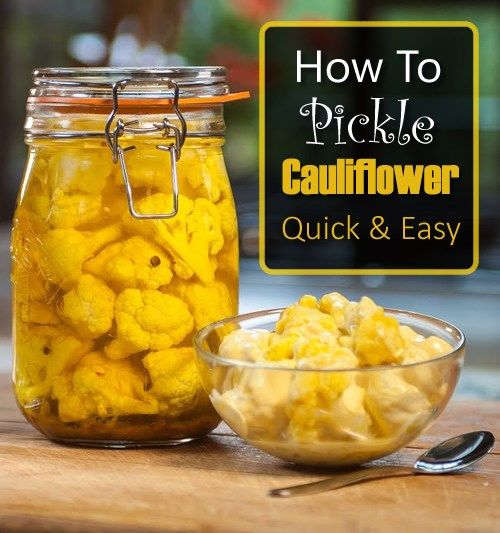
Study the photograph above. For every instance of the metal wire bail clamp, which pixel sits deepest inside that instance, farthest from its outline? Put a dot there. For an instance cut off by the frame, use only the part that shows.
(174, 148)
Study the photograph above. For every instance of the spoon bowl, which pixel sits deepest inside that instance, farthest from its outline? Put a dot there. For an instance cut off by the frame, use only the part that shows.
(456, 453)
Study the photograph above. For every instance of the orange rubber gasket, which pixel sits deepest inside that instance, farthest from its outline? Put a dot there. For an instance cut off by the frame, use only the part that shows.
(140, 102)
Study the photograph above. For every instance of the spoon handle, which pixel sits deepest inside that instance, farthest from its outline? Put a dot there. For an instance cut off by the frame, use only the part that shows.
(341, 480)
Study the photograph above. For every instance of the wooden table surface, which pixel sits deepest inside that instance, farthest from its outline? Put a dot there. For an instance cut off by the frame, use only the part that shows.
(219, 484)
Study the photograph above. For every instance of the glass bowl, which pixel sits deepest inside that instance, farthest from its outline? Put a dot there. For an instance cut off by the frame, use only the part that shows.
(328, 417)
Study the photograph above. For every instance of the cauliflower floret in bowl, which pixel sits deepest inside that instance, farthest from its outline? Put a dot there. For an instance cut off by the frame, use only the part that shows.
(330, 382)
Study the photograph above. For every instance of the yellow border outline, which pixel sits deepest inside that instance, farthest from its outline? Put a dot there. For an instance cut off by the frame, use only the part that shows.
(475, 149)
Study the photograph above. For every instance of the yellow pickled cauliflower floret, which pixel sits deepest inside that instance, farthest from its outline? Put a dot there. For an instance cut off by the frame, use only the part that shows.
(229, 223)
(60, 351)
(281, 347)
(33, 349)
(148, 320)
(204, 227)
(134, 263)
(308, 301)
(63, 251)
(104, 388)
(79, 170)
(318, 354)
(193, 237)
(355, 312)
(429, 379)
(377, 340)
(228, 262)
(71, 210)
(334, 304)
(200, 172)
(348, 415)
(305, 421)
(148, 167)
(335, 412)
(254, 402)
(66, 351)
(175, 379)
(434, 346)
(60, 209)
(317, 351)
(323, 344)
(207, 303)
(346, 341)
(312, 395)
(40, 169)
(395, 404)
(89, 307)
(37, 199)
(204, 173)
(305, 319)
(245, 345)
(410, 335)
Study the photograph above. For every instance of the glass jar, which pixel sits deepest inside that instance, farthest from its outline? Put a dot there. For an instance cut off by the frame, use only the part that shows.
(124, 243)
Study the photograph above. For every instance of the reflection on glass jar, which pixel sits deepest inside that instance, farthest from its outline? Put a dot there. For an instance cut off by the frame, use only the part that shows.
(106, 298)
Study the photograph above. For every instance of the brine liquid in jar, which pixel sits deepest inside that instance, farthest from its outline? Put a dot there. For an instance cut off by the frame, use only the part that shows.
(125, 243)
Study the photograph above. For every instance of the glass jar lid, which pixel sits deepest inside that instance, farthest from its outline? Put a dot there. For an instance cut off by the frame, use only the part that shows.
(153, 86)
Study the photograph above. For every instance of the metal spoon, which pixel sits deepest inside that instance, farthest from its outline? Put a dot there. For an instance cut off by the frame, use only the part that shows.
(448, 456)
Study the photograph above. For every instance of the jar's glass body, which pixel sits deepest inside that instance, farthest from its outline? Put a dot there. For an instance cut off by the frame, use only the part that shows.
(105, 305)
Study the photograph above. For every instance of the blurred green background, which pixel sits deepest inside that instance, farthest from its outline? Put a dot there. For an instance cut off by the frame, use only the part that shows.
(199, 32)
(35, 33)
